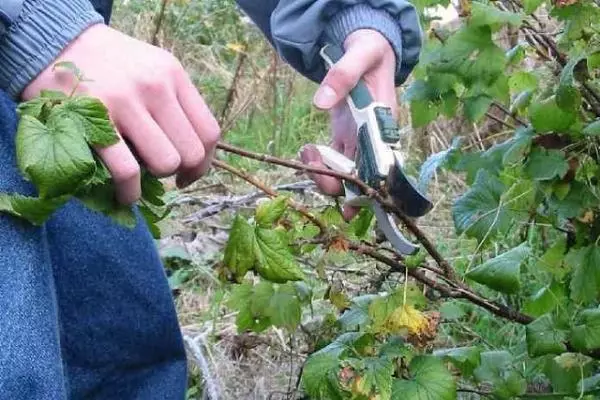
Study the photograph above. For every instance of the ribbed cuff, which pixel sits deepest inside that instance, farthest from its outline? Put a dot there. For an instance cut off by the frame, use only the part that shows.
(43, 29)
(363, 16)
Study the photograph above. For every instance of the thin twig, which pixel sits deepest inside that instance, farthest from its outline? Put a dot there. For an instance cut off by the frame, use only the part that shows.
(253, 181)
(159, 21)
(233, 88)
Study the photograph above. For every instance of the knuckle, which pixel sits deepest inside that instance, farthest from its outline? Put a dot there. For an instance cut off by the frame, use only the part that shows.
(127, 172)
(341, 77)
(193, 159)
(212, 133)
(151, 87)
(167, 166)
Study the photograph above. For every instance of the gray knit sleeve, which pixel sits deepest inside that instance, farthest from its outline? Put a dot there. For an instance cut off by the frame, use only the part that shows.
(36, 35)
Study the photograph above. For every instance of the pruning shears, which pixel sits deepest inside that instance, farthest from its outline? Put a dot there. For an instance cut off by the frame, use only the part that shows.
(377, 162)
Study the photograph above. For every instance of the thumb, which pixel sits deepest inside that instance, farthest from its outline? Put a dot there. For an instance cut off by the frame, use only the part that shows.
(345, 74)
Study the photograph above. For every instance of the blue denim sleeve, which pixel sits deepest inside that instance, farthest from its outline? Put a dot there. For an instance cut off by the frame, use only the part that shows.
(298, 29)
(35, 32)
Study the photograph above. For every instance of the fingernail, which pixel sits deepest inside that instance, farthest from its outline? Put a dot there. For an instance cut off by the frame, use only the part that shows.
(325, 97)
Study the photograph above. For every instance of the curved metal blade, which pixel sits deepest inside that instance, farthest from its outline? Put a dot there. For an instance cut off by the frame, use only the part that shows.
(404, 194)
(390, 230)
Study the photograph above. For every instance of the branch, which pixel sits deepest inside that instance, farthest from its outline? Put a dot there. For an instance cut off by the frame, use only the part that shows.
(219, 204)
(295, 165)
(159, 21)
(446, 290)
(231, 93)
(367, 190)
(452, 289)
(253, 181)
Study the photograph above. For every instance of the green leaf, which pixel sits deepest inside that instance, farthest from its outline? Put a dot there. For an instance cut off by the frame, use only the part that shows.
(547, 116)
(377, 377)
(471, 54)
(32, 108)
(591, 383)
(357, 315)
(319, 376)
(361, 223)
(422, 113)
(275, 262)
(241, 299)
(466, 359)
(519, 147)
(531, 5)
(484, 15)
(572, 205)
(436, 161)
(543, 337)
(478, 211)
(502, 273)
(93, 117)
(452, 310)
(477, 106)
(552, 260)
(585, 335)
(33, 209)
(521, 81)
(578, 18)
(568, 96)
(239, 251)
(521, 101)
(593, 60)
(54, 157)
(585, 264)
(515, 55)
(449, 104)
(284, 308)
(546, 164)
(101, 198)
(269, 212)
(320, 373)
(497, 369)
(152, 189)
(262, 294)
(592, 129)
(429, 379)
(545, 300)
(565, 371)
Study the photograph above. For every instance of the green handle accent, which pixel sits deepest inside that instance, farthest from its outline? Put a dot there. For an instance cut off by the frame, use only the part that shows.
(387, 125)
(360, 94)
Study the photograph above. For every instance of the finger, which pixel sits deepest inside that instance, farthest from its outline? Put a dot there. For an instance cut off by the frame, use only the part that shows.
(349, 212)
(381, 82)
(150, 142)
(326, 184)
(345, 74)
(344, 130)
(203, 121)
(124, 170)
(175, 123)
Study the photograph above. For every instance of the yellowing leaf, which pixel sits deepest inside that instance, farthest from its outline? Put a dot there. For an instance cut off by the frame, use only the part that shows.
(407, 318)
(237, 47)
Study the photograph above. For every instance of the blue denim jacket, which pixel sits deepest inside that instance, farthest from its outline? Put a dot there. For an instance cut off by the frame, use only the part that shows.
(35, 31)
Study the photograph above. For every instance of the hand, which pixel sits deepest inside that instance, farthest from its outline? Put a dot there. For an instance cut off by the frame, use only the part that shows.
(368, 55)
(152, 102)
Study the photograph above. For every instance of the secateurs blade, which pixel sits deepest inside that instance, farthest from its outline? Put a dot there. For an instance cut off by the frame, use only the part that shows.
(376, 163)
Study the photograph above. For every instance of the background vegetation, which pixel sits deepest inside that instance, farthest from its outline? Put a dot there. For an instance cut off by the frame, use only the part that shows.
(500, 122)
